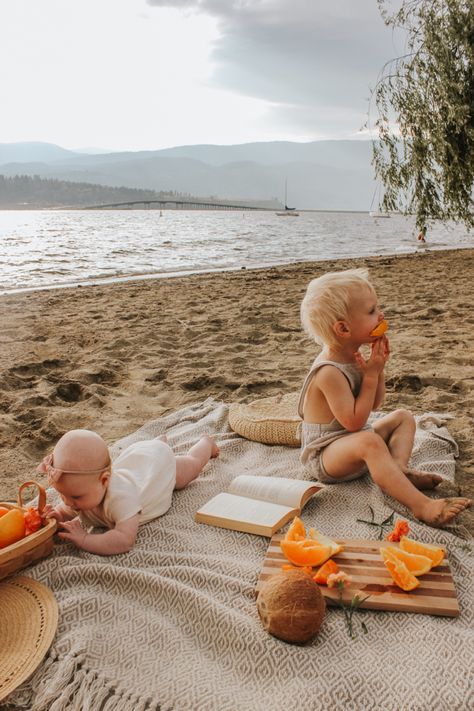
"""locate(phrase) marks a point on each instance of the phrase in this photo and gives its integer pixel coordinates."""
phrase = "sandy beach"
(112, 357)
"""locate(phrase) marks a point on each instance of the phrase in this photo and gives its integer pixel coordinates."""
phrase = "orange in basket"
(12, 527)
(27, 549)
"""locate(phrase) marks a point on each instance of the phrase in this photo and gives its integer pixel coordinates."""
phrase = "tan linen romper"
(315, 437)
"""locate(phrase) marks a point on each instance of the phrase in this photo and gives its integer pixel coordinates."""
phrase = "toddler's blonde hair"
(328, 300)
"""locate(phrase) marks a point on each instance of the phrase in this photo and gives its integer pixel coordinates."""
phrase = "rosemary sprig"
(349, 611)
(380, 524)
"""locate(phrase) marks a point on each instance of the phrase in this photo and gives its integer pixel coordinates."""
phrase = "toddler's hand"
(379, 354)
(73, 532)
(386, 347)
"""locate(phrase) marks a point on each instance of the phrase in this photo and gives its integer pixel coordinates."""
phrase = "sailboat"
(289, 211)
(377, 213)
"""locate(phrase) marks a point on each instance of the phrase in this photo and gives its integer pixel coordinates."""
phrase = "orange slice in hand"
(416, 564)
(435, 554)
(399, 572)
(380, 329)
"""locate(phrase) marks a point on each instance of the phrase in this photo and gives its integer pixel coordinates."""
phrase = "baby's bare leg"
(190, 465)
(348, 454)
(398, 431)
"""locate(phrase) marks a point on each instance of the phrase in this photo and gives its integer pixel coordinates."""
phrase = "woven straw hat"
(271, 420)
(28, 622)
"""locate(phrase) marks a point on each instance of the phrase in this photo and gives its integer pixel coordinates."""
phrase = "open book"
(258, 504)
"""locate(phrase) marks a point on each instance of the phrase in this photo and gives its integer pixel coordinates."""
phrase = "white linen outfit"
(142, 482)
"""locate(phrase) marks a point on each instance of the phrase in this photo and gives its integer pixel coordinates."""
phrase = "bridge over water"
(181, 204)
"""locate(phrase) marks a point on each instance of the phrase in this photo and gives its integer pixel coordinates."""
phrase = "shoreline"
(112, 356)
(148, 276)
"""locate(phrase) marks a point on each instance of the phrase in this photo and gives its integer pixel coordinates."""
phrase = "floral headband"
(55, 473)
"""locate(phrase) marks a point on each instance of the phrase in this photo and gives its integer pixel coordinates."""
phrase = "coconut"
(291, 606)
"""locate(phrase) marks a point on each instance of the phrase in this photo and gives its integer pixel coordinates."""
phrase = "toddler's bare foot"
(423, 480)
(439, 512)
(215, 451)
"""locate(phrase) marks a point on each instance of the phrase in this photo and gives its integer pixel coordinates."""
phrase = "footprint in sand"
(157, 377)
(71, 392)
(26, 375)
(103, 375)
(405, 382)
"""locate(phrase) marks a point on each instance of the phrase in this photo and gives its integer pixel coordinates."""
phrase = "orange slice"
(296, 531)
(324, 571)
(380, 329)
(306, 569)
(325, 541)
(416, 564)
(433, 552)
(399, 572)
(305, 552)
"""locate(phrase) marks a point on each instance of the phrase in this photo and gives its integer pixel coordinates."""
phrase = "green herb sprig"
(350, 609)
(380, 525)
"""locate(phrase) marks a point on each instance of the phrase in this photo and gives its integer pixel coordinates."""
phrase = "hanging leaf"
(424, 101)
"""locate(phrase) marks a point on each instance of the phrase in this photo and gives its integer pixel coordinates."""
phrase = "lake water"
(45, 248)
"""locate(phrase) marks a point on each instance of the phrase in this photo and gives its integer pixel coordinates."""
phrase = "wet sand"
(112, 357)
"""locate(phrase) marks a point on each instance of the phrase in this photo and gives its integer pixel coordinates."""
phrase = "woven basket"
(271, 420)
(37, 545)
(28, 621)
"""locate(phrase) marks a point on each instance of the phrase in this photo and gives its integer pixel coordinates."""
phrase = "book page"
(240, 509)
(278, 490)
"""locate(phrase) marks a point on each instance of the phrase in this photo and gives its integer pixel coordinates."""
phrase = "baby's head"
(79, 469)
(328, 300)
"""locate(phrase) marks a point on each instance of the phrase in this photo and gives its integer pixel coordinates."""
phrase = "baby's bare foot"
(423, 480)
(215, 451)
(439, 512)
(163, 438)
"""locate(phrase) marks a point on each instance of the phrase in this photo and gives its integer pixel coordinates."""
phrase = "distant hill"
(32, 152)
(32, 192)
(335, 175)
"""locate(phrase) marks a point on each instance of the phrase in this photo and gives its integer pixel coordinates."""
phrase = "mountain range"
(320, 175)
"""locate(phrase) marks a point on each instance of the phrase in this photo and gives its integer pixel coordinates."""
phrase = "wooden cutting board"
(361, 559)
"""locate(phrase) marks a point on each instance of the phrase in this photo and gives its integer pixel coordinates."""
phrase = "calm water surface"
(47, 248)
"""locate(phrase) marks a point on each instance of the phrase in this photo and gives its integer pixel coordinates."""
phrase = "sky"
(149, 74)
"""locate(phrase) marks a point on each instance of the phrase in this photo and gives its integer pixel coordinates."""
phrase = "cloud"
(313, 60)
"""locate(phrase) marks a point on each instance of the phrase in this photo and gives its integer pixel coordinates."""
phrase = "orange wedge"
(306, 569)
(435, 553)
(324, 571)
(399, 572)
(296, 531)
(416, 564)
(380, 329)
(305, 552)
(325, 541)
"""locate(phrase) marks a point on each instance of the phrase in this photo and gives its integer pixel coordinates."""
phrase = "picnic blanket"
(173, 625)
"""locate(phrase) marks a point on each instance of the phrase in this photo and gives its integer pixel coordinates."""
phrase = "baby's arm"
(118, 540)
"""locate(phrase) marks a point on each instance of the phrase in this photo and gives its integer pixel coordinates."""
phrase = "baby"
(135, 488)
(340, 311)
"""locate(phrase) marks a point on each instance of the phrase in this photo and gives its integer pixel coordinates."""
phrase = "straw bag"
(32, 547)
(271, 420)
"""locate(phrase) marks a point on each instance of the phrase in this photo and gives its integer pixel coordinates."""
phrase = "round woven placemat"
(28, 622)
(271, 420)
